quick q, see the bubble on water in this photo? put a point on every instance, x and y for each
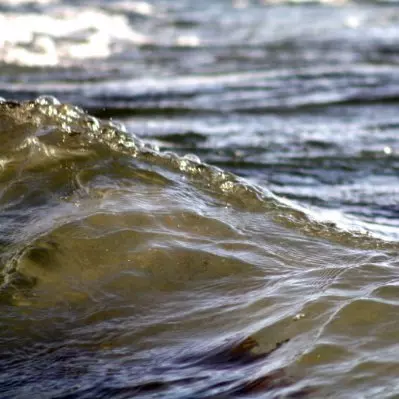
(227, 186)
(192, 158)
(47, 100)
(170, 155)
(118, 126)
(2, 100)
(108, 133)
(66, 128)
(298, 316)
(130, 144)
(92, 123)
(70, 111)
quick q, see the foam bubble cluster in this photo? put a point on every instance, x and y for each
(51, 130)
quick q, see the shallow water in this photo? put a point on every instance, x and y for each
(261, 264)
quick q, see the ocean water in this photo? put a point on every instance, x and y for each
(199, 199)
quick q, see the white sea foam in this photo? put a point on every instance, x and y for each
(64, 34)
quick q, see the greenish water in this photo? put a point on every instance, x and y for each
(127, 271)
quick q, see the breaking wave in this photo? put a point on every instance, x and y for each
(135, 271)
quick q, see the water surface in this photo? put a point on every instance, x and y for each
(261, 264)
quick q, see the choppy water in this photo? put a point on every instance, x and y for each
(261, 264)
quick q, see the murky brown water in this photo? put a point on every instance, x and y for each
(129, 272)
